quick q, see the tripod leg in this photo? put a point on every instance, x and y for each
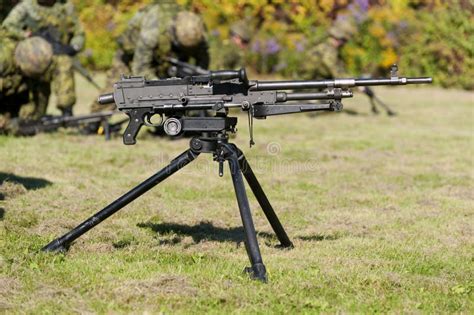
(388, 110)
(257, 270)
(263, 201)
(373, 106)
(63, 242)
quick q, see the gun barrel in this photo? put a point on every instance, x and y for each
(391, 81)
(337, 83)
(326, 95)
(422, 80)
(105, 99)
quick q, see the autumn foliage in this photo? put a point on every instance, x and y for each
(431, 37)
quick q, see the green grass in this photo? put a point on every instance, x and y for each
(381, 212)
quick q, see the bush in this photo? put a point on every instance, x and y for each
(426, 37)
(441, 43)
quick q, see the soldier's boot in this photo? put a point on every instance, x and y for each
(91, 128)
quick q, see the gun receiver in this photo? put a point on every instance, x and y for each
(219, 91)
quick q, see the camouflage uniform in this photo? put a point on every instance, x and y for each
(32, 17)
(5, 7)
(323, 60)
(12, 83)
(23, 92)
(148, 38)
(230, 54)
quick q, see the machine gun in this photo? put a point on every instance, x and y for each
(182, 69)
(218, 91)
(53, 123)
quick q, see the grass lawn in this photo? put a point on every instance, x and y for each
(380, 209)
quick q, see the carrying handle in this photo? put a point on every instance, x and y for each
(230, 75)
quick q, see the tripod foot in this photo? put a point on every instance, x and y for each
(257, 272)
(55, 247)
(264, 202)
(285, 246)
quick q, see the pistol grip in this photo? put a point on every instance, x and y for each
(137, 120)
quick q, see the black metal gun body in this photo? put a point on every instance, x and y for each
(170, 98)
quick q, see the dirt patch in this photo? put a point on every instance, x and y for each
(10, 190)
(69, 298)
(95, 248)
(8, 287)
(54, 226)
(133, 290)
(429, 203)
(465, 193)
(48, 292)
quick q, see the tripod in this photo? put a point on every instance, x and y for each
(222, 150)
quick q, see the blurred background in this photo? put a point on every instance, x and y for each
(425, 37)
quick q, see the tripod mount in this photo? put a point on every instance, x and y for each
(213, 139)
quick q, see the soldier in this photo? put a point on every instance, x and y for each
(33, 16)
(232, 52)
(5, 7)
(26, 69)
(11, 82)
(158, 31)
(324, 60)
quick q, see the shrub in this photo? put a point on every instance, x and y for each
(430, 37)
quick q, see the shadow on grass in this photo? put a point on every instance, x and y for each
(346, 111)
(2, 214)
(321, 237)
(202, 231)
(29, 183)
(206, 231)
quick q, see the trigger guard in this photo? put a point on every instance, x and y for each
(147, 121)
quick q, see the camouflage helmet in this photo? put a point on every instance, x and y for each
(242, 30)
(343, 28)
(189, 29)
(33, 56)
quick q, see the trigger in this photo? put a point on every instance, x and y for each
(149, 123)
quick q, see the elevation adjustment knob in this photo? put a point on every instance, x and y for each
(196, 144)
